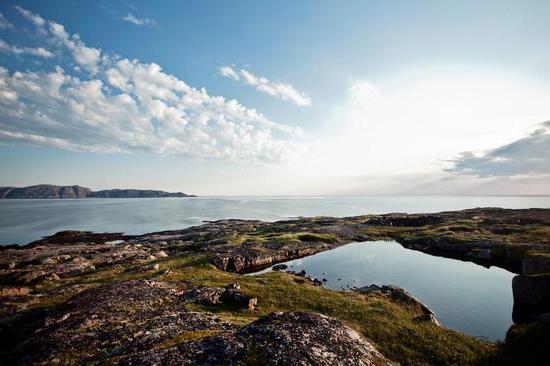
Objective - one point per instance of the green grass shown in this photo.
(393, 327)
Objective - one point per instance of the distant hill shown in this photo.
(53, 191)
(134, 193)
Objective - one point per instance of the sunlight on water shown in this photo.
(22, 221)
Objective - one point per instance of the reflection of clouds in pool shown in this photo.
(465, 296)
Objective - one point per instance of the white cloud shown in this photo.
(4, 23)
(38, 51)
(130, 18)
(282, 91)
(124, 105)
(228, 72)
(36, 19)
(417, 121)
(87, 57)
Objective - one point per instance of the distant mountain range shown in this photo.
(52, 191)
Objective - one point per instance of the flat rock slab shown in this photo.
(293, 338)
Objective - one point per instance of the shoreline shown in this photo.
(194, 265)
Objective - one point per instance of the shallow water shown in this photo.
(22, 221)
(465, 296)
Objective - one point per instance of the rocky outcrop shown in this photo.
(295, 338)
(404, 220)
(231, 295)
(531, 297)
(244, 260)
(42, 191)
(144, 322)
(116, 320)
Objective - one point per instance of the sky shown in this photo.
(277, 97)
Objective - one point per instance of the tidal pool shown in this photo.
(465, 296)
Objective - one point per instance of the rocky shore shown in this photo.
(178, 297)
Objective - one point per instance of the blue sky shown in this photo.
(364, 97)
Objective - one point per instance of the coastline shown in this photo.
(50, 274)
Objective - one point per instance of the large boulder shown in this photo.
(294, 338)
(531, 297)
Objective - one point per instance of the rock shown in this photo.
(544, 317)
(81, 268)
(234, 297)
(480, 254)
(279, 267)
(119, 319)
(6, 291)
(229, 295)
(205, 295)
(151, 267)
(161, 254)
(531, 297)
(47, 261)
(295, 338)
(535, 265)
(233, 286)
(29, 276)
(8, 265)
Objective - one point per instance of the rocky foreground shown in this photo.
(178, 297)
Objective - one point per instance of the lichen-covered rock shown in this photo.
(7, 291)
(116, 320)
(294, 338)
(230, 295)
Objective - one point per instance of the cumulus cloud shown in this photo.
(87, 57)
(38, 51)
(282, 91)
(529, 155)
(130, 18)
(122, 105)
(4, 23)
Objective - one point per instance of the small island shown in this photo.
(180, 297)
(50, 191)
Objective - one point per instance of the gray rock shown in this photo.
(535, 265)
(295, 338)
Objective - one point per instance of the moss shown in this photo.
(186, 337)
(392, 326)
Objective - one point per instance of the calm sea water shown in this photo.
(465, 296)
(22, 221)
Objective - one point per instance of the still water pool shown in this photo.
(465, 296)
